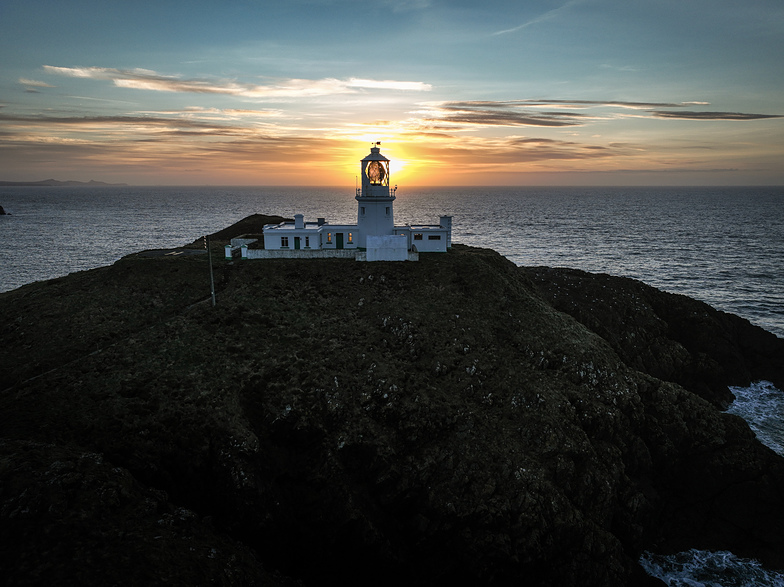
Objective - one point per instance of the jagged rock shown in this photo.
(669, 336)
(388, 423)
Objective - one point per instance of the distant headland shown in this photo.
(55, 182)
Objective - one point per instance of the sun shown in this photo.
(396, 167)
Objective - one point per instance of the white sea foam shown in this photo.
(762, 406)
(700, 568)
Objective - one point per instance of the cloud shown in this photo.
(562, 113)
(144, 79)
(514, 153)
(388, 85)
(92, 120)
(34, 83)
(109, 129)
(607, 103)
(713, 115)
(512, 113)
(546, 16)
(406, 5)
(618, 67)
(216, 113)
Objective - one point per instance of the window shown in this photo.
(362, 208)
(284, 241)
(417, 236)
(307, 241)
(434, 237)
(387, 210)
(329, 238)
(350, 237)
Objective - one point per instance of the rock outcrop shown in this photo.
(671, 337)
(334, 422)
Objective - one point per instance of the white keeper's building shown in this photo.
(373, 238)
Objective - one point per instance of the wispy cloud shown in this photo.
(541, 18)
(628, 68)
(564, 113)
(34, 83)
(713, 115)
(616, 103)
(499, 114)
(47, 121)
(407, 5)
(388, 85)
(144, 79)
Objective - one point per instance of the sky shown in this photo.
(458, 92)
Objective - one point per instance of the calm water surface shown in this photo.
(723, 246)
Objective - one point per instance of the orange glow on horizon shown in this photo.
(250, 159)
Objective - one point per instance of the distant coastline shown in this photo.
(54, 182)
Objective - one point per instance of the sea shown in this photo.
(720, 245)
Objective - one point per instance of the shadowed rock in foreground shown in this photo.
(335, 422)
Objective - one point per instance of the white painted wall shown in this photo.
(390, 247)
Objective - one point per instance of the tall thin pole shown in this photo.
(212, 277)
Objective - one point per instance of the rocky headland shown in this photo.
(459, 420)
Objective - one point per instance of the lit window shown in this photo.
(417, 236)
(350, 237)
(329, 238)
(284, 241)
(434, 237)
(376, 172)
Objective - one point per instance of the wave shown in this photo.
(762, 406)
(701, 568)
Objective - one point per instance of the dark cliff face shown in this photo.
(668, 336)
(340, 422)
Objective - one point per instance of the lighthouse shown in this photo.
(373, 238)
(375, 213)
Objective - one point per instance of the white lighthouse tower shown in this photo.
(375, 214)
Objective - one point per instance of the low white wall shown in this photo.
(302, 253)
